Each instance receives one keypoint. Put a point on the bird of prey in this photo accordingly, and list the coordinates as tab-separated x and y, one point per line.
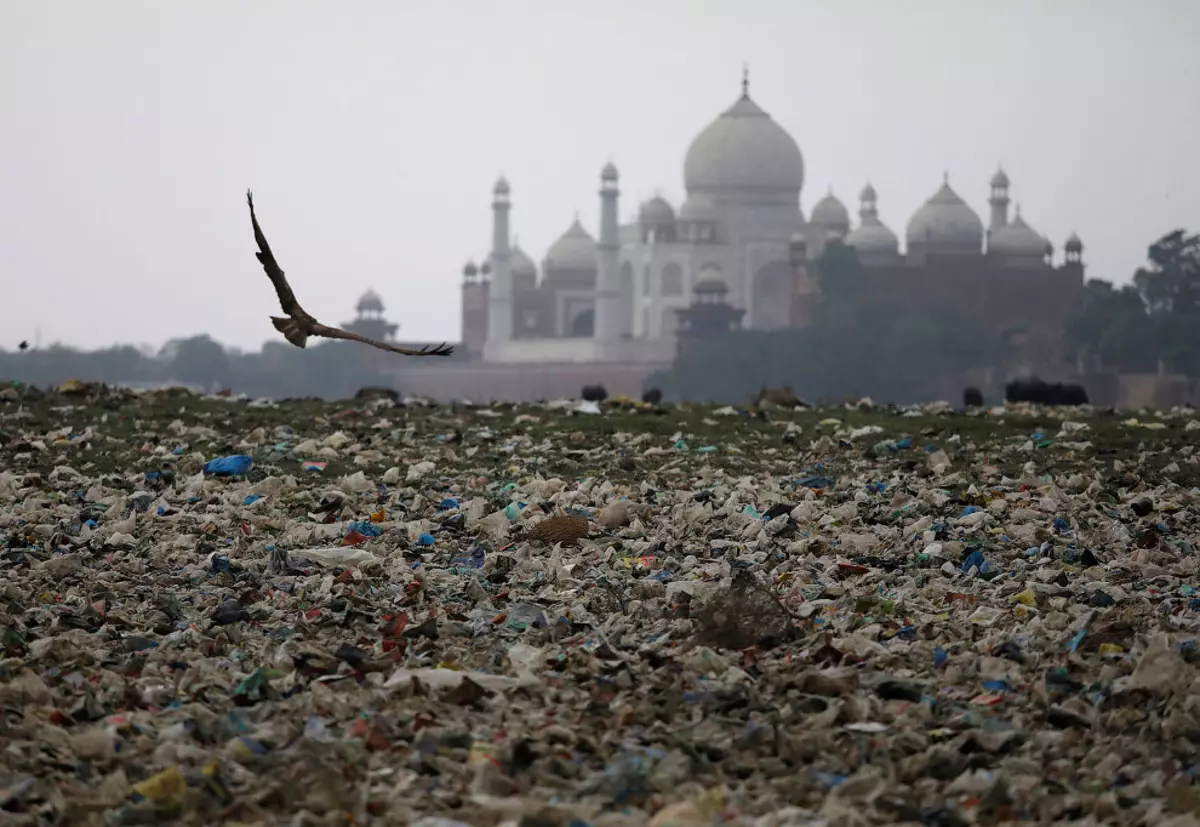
23	346
299	325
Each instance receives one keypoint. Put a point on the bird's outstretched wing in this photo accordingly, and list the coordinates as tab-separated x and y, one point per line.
287	299
325	331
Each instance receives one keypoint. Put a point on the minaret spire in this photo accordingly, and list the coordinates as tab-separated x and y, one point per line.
745	81
609	318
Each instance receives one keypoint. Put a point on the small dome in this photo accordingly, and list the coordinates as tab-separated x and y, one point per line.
945	220
574	250
501	187
1017	239
744	150
609	172
470	270
1048	246
1000	179
370	301
832	213
656	212
1073	245
868	193
712	285
519	263
698	209
873	236
485	269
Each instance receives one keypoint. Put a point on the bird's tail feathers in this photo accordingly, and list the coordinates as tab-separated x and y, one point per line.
291	330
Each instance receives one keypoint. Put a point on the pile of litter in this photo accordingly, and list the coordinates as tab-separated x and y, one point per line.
221	611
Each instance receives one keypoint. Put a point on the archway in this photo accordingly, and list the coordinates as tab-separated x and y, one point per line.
771	297
583	324
671	284
627	299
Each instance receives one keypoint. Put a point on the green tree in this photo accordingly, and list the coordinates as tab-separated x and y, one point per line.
199	360
1170	288
1114	327
1156	317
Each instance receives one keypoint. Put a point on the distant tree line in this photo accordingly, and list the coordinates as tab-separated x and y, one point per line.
855	346
858	346
1152	322
328	369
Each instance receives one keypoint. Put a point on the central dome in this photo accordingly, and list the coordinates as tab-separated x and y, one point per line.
745	153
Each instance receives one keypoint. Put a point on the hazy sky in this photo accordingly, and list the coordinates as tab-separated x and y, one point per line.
372	130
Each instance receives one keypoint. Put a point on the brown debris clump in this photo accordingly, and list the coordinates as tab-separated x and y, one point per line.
745	614
783	397
560	529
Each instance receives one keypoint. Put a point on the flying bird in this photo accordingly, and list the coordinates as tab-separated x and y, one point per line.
299	325
24	346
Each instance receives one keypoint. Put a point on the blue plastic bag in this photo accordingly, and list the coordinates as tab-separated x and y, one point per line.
228	466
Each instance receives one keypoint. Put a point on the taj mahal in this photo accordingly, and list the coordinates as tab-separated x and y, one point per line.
608	306
615	297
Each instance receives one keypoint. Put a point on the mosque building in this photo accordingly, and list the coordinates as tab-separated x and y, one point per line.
616	297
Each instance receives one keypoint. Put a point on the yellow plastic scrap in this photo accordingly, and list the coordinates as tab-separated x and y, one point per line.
1134	422
1027	597
1106	649
708	808
167	785
482	753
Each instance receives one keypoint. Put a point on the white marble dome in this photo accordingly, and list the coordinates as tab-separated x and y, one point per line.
1017	238
656	212
519	262
744	152
369	301
873	236
832	213
574	250
946	221
698	209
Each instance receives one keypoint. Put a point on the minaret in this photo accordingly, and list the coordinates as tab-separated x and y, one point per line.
999	201
499	311
868	204
1074	250
474	310
608	285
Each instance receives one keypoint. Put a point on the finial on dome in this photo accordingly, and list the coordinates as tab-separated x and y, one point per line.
745	81
946	177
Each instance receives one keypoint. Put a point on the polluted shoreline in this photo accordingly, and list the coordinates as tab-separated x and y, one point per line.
578	613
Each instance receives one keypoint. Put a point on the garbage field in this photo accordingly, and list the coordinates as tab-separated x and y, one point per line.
222	611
